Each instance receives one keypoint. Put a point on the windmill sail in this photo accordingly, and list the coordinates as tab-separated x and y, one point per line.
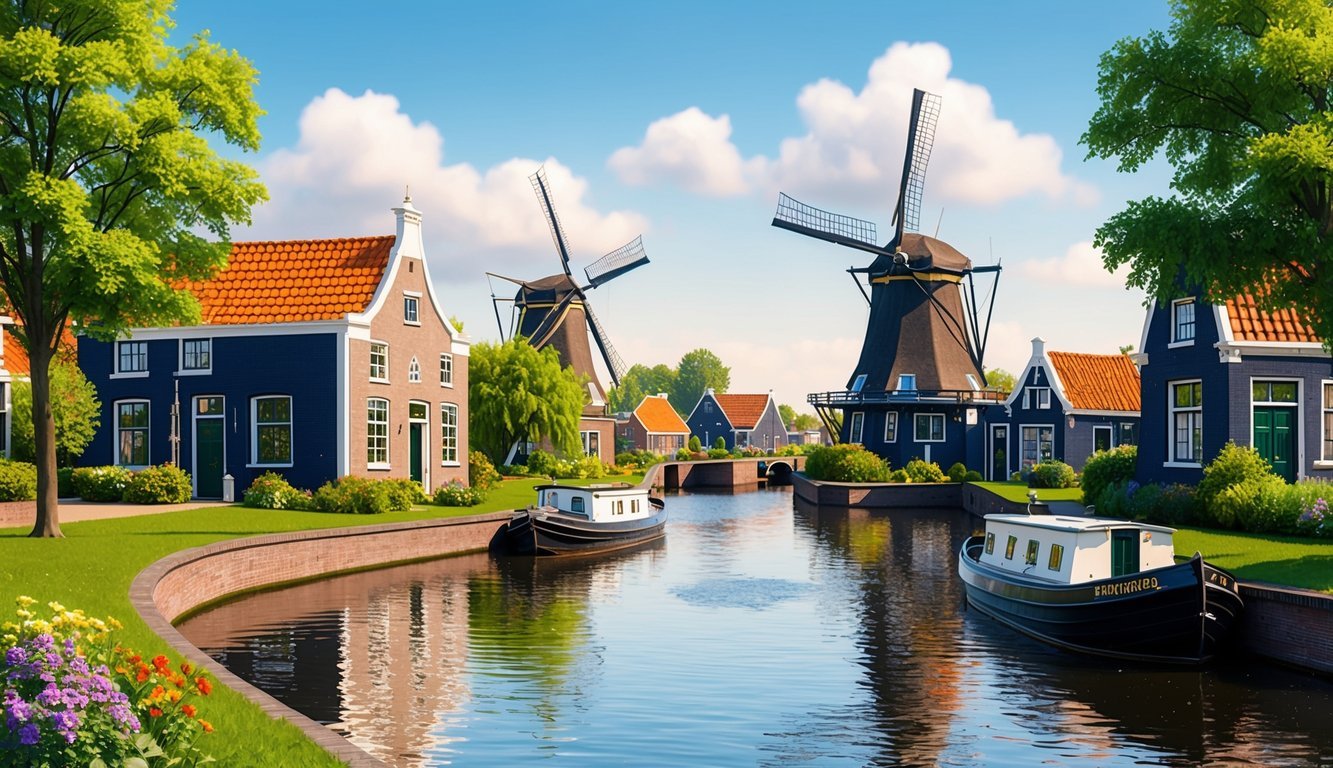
920	139
808	220
614	364
616	263
543	191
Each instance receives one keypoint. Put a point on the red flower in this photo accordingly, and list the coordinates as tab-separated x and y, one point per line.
188	709
154	712
161	663
186	668
205	687
142	674
208	727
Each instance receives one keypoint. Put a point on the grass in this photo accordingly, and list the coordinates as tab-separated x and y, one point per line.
92	567
1286	560
1019	492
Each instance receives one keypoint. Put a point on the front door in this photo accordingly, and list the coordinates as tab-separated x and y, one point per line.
416	443
1275	439
999	452
208	447
1124	553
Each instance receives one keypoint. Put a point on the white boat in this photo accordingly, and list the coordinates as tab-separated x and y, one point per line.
571	519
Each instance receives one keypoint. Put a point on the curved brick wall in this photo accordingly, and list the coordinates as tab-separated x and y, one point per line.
179	583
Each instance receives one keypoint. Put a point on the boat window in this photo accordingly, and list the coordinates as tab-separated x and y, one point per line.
1009	547
620	506
634	506
1033	546
576	504
990	543
1057	555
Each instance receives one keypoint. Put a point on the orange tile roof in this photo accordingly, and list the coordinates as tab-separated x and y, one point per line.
1098	382
658	417
16	357
743	411
1249	323
294	281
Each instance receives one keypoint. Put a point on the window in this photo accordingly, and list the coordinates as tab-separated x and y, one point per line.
742	438
972	382
1186	413
1129	433
708	406
272	437
859	382
990	543
448	433
446	369
208	406
379	361
1031	557
377	432
411	307
1057	557
1009	547
1037	445
891	427
1280	392
928	428
132	433
1040	397
576	505
591	443
132	357
1101	437
196	354
1328	421
414	371
1182	321
854	433
907	382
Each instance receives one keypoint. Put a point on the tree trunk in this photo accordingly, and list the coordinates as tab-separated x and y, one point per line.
44	436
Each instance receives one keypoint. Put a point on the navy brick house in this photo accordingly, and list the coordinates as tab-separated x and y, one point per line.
315	359
740	420
1214	373
1065	406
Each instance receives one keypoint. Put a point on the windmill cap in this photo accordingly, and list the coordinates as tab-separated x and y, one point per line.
925	252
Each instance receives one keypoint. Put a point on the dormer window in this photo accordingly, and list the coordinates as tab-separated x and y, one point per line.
907	382
1182	321
860	382
411	309
1037	397
972	382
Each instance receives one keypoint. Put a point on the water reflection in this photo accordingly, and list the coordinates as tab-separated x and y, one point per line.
752	635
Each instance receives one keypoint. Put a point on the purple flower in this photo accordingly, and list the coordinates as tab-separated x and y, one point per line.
29	734
16	656
44	642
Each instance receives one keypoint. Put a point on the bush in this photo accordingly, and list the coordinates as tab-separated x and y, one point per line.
694	445
1016	477
1143	505
480	471
541	463
1051	474
1106	467
513	470
899	476
683	454
18	481
352	495
1234	465
167	484
1237	503
846	463
957	472
1176	506
100	483
924	471
626	459
403	492
719	453
586	466
720	442
455	494
65	483
1278	506
272	491
972	476
1114	499
1315	519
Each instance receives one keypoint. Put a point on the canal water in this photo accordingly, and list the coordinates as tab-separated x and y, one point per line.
755	634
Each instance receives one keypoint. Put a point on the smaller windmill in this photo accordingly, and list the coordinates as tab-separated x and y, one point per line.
554	310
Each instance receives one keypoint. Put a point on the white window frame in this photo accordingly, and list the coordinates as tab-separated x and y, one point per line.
856	427
448	435
1023	466
118	372
146	429
385	367
586	437
373	448
411	307
906	382
181	370
1173	411
446	370
254	430
930	418
1040	397
1110	442
890	426
414	371
1176	339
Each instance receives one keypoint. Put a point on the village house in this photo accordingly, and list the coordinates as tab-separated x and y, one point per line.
315	359
740	420
656	427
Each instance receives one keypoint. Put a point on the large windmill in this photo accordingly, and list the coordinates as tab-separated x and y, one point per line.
921	347
554	311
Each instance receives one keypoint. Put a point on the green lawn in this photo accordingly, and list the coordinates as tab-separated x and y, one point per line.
92	567
1019	492
1287	560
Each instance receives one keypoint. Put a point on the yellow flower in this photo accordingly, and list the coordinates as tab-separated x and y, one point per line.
24	601
56	607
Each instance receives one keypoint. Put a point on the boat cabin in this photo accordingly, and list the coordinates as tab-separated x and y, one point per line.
1074	550
602	502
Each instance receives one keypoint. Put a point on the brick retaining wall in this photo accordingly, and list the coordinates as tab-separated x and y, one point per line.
877	495
1291	626
17	513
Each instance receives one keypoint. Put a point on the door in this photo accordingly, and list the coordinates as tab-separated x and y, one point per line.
1275	439
414	461
208	447
416	442
1124	553
999	452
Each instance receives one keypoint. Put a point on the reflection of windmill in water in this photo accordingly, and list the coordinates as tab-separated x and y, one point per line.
554	312
920	368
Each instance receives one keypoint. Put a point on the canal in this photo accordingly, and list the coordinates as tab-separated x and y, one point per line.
755	634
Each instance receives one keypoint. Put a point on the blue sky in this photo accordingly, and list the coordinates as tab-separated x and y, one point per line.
682	121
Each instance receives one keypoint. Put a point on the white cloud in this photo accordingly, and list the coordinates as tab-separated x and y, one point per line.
357	154
689	149
1080	265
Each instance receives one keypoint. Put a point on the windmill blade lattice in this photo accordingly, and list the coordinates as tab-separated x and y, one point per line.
920	139
836	228
543	191
614	363
616	263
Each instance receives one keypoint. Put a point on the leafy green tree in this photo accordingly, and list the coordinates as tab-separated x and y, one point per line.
74	406
639	382
786	413
1000	380
1236	96
517	393
803	422
110	187
698	371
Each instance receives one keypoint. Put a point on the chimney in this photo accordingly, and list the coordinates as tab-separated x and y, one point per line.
1038	346
408	240
662	395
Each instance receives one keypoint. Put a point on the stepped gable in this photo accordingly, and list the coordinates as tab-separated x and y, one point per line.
1250	323
294	281
743	411
657	416
1098	382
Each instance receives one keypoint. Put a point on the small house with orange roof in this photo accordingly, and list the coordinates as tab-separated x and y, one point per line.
741	420
314	359
1065	406
1214	373
656	427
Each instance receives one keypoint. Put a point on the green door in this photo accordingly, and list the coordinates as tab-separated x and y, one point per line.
1124	553
414	450
999	453
1275	439
208	458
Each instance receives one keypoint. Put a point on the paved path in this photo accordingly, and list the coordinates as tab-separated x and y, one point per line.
75	510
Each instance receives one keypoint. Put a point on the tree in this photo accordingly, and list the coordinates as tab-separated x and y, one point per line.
109	186
518	393
639	382
698	371
1236	96
1000	380
804	422
1126	349
74	407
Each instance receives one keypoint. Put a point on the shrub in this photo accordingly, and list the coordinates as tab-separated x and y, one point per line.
541	463
100	483
272	491
352	495
481	472
167	484
846	463
1144	503
625	459
586	466
972	476
899	476
18	481
719	453
1236	502
1234	465
683	454
924	471
1278	506
1315	519
1114	499
1051	474
720	442
403	492
694	445
1176	506
65	483
455	494
513	470
957	472
1016	477
1106	467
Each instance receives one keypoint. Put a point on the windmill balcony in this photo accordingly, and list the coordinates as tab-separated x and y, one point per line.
845	398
